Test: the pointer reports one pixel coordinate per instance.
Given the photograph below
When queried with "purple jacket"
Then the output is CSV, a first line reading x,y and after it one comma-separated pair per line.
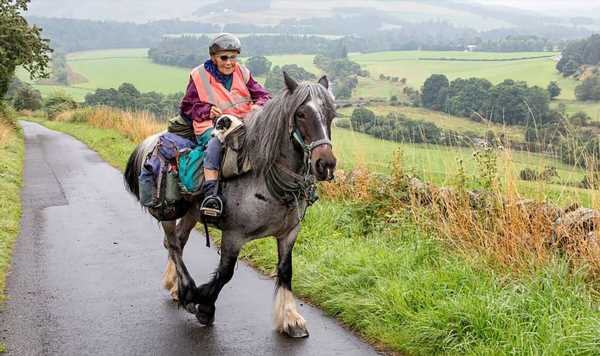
x,y
191,106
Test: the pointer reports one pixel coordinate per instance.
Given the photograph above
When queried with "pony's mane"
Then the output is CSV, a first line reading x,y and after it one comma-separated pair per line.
x,y
267,128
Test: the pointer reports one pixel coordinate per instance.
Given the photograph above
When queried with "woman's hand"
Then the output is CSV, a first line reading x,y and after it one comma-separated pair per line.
x,y
215,112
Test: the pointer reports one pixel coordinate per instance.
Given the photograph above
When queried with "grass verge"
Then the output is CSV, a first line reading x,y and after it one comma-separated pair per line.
x,y
11,174
406,290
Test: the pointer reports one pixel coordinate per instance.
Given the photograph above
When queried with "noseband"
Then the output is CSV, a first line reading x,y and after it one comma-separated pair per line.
x,y
308,148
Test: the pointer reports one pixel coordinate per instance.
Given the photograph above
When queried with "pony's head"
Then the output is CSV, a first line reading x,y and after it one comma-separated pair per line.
x,y
310,125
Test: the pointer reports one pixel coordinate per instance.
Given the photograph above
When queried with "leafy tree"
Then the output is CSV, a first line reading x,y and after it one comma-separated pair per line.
x,y
274,80
127,97
468,96
589,89
27,98
578,53
554,90
434,91
258,65
362,119
580,118
20,44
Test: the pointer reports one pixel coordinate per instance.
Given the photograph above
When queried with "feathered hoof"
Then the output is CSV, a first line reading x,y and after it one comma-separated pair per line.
x,y
205,314
296,332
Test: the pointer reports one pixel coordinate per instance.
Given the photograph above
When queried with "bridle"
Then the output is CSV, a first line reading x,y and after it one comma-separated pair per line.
x,y
290,187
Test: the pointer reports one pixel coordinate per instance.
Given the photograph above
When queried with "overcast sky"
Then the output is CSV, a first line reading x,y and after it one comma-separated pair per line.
x,y
145,10
554,7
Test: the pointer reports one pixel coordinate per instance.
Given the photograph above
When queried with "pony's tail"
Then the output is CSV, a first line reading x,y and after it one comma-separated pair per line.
x,y
132,172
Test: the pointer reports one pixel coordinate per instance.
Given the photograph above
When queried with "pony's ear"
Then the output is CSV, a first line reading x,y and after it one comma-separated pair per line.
x,y
324,81
290,83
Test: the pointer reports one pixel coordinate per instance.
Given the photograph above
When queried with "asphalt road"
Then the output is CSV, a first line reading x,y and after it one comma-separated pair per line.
x,y
87,267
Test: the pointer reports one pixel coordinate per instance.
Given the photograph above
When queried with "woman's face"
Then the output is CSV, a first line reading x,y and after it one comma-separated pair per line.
x,y
225,61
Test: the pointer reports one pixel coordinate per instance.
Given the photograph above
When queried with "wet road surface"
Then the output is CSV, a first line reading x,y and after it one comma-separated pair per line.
x,y
87,267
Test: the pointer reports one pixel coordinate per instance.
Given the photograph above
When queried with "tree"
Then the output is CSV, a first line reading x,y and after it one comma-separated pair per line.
x,y
554,90
589,89
274,80
20,44
362,119
434,91
27,98
258,65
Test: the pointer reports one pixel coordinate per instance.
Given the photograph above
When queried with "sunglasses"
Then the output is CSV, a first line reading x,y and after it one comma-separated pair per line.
x,y
225,58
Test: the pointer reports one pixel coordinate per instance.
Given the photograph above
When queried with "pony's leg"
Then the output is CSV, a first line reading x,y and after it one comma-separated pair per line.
x,y
182,230
231,243
286,317
176,237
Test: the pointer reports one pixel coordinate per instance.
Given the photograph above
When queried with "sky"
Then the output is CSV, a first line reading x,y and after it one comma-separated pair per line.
x,y
552,7
146,10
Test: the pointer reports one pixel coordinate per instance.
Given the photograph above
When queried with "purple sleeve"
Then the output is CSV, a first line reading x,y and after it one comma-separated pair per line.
x,y
191,106
259,94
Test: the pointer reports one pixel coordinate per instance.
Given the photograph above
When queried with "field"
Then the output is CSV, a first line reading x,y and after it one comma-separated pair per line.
x,y
407,290
444,121
110,68
439,164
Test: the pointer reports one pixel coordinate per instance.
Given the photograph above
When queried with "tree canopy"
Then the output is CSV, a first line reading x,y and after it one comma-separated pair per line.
x,y
20,44
578,53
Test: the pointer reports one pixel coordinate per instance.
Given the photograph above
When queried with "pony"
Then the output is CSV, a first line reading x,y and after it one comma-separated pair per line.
x,y
288,143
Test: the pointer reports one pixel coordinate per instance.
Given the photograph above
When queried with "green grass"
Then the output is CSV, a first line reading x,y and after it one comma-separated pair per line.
x,y
406,64
11,175
402,287
405,290
592,108
110,68
439,164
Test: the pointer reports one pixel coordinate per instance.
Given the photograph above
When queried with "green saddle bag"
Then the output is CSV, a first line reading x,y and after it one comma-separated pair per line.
x,y
191,165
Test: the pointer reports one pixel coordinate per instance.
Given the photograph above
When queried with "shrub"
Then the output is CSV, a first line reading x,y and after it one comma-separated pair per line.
x,y
343,122
529,174
27,98
59,102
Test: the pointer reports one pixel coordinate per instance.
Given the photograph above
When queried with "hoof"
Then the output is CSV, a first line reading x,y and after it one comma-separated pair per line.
x,y
297,332
205,314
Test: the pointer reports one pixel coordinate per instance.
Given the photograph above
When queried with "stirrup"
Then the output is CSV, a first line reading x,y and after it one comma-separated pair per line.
x,y
212,207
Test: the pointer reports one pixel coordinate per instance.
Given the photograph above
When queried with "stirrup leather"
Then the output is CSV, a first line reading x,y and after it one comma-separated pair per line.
x,y
212,206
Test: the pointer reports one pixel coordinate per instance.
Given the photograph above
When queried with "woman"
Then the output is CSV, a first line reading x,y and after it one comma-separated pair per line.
x,y
220,86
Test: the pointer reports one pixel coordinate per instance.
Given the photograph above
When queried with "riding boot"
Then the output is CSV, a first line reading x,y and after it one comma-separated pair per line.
x,y
212,202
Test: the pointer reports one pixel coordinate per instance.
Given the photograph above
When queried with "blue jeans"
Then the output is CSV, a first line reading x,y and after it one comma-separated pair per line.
x,y
213,153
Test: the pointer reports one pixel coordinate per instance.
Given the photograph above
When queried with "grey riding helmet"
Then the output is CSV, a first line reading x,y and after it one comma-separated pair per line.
x,y
224,42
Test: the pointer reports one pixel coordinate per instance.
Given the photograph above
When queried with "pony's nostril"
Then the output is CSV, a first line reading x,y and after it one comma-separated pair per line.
x,y
320,166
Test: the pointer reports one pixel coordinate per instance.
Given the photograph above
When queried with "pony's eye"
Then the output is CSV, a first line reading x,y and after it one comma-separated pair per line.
x,y
300,115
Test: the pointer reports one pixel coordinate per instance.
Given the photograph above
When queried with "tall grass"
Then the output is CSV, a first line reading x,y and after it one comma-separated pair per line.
x,y
11,168
136,126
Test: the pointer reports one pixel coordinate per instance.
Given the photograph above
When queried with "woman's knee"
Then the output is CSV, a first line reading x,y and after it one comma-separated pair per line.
x,y
212,158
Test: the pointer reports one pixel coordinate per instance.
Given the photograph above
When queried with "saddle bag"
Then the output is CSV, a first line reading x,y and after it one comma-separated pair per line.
x,y
235,161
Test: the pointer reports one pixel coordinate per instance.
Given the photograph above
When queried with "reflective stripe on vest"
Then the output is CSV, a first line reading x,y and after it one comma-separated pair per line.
x,y
237,101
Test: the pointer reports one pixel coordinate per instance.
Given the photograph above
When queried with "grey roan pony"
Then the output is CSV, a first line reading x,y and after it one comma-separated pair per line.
x,y
288,140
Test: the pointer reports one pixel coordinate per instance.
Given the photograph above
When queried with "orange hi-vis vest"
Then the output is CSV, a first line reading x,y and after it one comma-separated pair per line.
x,y
237,101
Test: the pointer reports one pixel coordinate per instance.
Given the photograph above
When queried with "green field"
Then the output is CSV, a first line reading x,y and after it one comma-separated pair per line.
x,y
110,68
439,164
